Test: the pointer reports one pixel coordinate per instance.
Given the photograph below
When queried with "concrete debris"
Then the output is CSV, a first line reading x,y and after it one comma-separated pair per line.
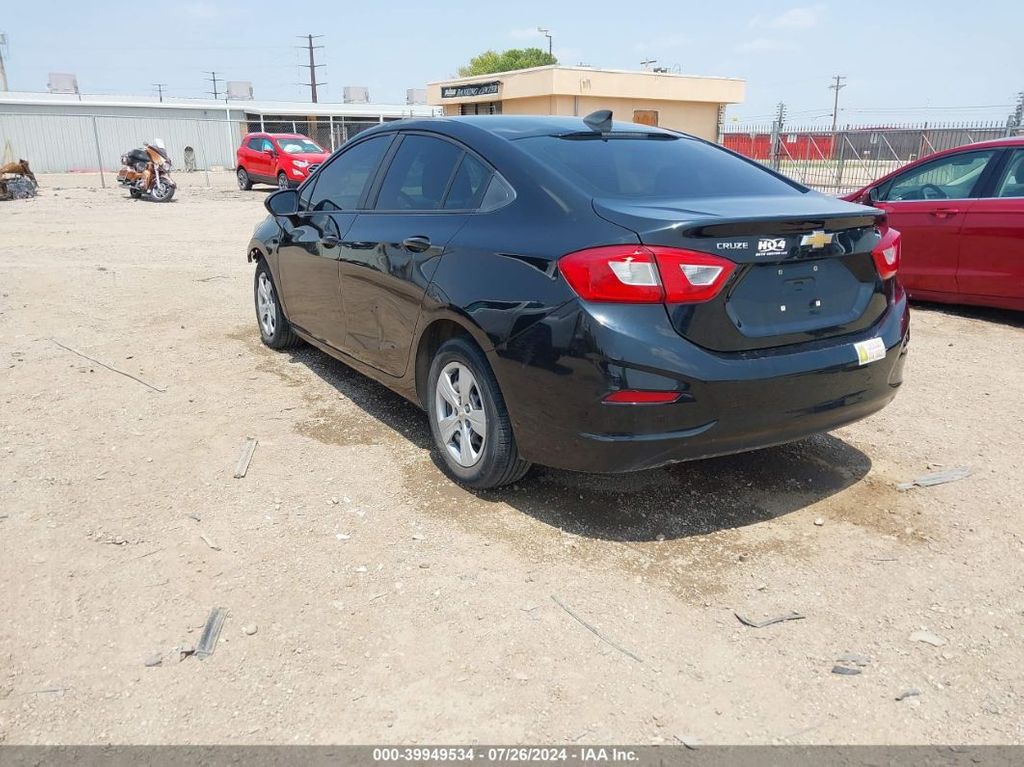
x,y
928,638
937,478
845,670
211,633
246,456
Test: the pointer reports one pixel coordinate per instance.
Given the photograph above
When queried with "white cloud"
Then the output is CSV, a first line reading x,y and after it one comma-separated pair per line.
x,y
800,17
569,57
661,44
766,45
201,10
527,33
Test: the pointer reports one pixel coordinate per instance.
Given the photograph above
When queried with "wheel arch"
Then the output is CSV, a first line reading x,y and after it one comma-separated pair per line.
x,y
256,251
439,329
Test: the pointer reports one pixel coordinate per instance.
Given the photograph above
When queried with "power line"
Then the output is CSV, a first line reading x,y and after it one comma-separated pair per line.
x,y
213,79
160,90
312,65
837,86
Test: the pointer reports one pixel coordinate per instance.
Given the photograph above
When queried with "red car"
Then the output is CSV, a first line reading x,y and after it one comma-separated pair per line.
x,y
283,159
961,214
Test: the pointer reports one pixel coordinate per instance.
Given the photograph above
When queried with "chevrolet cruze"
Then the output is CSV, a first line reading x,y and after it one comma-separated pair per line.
x,y
584,294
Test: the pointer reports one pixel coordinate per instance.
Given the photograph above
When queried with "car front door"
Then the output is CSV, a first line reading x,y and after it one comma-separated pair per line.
x,y
992,241
311,245
267,154
928,205
426,195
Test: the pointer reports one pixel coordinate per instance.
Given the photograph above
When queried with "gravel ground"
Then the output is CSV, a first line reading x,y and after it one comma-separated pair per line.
x,y
370,600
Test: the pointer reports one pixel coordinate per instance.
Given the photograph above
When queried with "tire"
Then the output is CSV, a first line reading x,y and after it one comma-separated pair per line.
x,y
135,193
166,196
479,461
244,182
282,181
275,331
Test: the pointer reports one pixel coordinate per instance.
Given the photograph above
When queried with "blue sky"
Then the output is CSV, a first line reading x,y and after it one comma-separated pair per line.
x,y
916,60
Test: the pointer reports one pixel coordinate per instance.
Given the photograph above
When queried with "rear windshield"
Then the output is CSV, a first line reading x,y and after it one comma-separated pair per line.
x,y
637,166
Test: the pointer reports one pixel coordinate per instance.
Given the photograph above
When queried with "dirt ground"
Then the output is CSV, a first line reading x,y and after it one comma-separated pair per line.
x,y
371,600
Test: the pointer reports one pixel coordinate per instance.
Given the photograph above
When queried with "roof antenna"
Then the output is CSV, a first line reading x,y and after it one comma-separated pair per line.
x,y
599,121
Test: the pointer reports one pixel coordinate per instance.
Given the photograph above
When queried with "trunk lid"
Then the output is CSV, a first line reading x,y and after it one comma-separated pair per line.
x,y
804,266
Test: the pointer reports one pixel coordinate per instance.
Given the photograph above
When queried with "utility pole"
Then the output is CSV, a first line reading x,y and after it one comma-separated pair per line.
x,y
160,90
312,65
1018,113
213,79
547,34
3,70
837,86
780,120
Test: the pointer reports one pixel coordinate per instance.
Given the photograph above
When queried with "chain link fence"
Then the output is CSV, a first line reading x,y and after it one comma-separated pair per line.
x,y
93,143
854,156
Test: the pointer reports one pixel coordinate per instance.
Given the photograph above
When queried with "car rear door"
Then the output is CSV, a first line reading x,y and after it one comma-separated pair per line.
x,y
311,247
250,156
928,205
992,240
391,252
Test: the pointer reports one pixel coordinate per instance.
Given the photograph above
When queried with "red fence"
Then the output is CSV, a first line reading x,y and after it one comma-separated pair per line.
x,y
798,146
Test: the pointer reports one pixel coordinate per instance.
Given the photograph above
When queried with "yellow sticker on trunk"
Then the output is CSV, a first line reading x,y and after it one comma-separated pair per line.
x,y
871,350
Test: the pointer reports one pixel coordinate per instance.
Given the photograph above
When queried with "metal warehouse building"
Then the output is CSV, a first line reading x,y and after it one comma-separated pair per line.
x,y
60,133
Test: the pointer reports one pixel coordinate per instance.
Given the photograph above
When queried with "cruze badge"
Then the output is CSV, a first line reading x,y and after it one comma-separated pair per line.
x,y
816,240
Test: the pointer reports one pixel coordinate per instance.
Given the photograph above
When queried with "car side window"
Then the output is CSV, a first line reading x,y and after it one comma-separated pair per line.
x,y
267,145
498,194
340,184
419,174
950,178
255,143
1012,182
469,185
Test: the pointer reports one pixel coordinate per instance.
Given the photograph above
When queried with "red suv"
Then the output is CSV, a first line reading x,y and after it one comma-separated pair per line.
x,y
284,159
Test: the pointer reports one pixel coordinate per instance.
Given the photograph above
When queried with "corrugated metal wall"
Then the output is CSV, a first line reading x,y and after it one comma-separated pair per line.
x,y
68,141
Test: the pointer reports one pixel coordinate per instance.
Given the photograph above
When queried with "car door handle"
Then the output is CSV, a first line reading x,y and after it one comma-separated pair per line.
x,y
329,241
945,212
417,243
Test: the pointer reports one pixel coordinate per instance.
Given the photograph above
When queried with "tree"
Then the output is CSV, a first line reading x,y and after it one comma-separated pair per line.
x,y
514,58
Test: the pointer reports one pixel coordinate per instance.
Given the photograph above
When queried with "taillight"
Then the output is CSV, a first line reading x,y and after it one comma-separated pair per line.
x,y
645,274
887,253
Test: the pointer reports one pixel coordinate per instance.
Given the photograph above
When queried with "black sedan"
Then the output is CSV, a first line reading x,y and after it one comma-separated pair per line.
x,y
585,295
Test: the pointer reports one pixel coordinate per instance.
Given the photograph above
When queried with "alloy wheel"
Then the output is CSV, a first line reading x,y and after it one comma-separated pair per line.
x,y
461,419
266,305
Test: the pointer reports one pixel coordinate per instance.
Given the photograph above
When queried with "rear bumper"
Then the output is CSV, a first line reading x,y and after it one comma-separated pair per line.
x,y
555,374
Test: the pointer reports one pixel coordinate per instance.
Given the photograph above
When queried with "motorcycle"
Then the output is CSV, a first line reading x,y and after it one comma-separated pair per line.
x,y
146,173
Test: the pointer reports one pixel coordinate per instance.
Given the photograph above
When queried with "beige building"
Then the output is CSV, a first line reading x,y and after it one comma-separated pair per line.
x,y
680,102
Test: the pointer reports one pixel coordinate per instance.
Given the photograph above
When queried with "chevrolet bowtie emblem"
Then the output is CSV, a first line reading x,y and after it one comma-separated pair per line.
x,y
816,240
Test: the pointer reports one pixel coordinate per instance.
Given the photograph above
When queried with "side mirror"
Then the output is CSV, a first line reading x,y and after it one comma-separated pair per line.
x,y
271,152
871,195
283,202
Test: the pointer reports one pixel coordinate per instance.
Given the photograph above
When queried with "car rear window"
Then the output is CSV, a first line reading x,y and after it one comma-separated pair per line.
x,y
653,165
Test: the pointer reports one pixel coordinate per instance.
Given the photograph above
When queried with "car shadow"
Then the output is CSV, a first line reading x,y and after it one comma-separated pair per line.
x,y
1006,317
677,501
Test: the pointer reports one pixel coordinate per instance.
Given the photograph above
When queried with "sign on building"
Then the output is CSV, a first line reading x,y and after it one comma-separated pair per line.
x,y
473,89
